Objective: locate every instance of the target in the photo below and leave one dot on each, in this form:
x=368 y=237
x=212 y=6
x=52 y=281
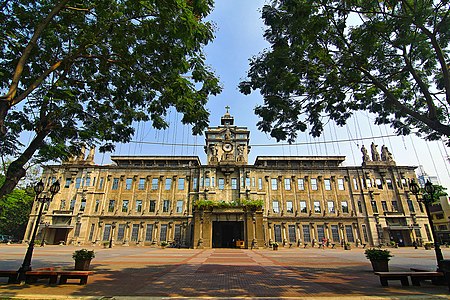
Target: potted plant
x=347 y=246
x=164 y=244
x=275 y=246
x=428 y=245
x=83 y=259
x=379 y=259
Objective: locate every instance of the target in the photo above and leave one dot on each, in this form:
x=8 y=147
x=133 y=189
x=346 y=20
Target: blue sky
x=238 y=38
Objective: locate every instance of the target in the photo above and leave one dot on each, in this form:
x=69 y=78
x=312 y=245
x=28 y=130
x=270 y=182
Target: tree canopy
x=81 y=72
x=331 y=58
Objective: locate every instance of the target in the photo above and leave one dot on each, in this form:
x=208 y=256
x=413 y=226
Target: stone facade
x=307 y=200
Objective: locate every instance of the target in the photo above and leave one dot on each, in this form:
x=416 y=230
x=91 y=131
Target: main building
x=227 y=202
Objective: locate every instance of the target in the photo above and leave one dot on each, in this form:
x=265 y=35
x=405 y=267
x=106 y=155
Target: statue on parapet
x=375 y=154
x=365 y=156
x=385 y=154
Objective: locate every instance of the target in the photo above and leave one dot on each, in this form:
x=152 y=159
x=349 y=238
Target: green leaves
x=329 y=58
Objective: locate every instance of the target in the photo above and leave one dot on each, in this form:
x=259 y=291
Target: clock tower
x=227 y=144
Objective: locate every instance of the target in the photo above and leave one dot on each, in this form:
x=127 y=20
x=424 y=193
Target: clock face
x=227 y=147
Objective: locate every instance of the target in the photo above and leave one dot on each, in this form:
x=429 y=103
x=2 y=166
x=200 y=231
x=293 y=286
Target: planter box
x=380 y=265
x=82 y=265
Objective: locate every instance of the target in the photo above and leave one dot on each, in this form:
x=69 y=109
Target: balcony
x=394 y=214
x=62 y=212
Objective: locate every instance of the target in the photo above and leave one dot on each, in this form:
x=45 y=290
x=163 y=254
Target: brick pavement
x=143 y=272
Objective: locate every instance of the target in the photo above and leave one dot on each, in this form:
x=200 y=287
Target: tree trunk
x=3 y=112
x=16 y=170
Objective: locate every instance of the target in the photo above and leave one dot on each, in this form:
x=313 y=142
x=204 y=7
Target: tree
x=15 y=211
x=81 y=72
x=330 y=58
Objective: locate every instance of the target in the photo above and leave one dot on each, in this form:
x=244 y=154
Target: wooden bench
x=82 y=275
x=416 y=277
x=33 y=276
x=12 y=275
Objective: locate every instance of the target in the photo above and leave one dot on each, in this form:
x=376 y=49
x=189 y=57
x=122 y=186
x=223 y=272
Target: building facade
x=227 y=202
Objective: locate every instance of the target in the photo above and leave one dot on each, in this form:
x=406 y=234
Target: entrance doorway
x=226 y=233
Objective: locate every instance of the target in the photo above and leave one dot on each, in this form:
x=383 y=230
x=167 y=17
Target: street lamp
x=38 y=189
x=429 y=188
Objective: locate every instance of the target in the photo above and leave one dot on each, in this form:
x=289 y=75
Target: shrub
x=83 y=254
x=377 y=254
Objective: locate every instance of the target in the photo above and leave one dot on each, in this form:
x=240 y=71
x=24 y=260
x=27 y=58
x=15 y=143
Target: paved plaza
x=145 y=272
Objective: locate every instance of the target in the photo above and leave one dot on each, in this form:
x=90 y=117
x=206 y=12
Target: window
x=207 y=182
x=292 y=235
x=141 y=185
x=378 y=183
x=97 y=205
x=106 y=232
x=360 y=209
x=349 y=233
x=274 y=184
x=253 y=181
x=394 y=205
x=68 y=182
x=88 y=181
x=344 y=207
x=77 y=229
x=152 y=207
x=335 y=234
x=306 y=234
x=242 y=181
x=374 y=206
x=301 y=184
x=320 y=232
x=138 y=205
x=234 y=183
x=166 y=205
x=149 y=233
x=331 y=209
x=100 y=184
x=327 y=184
x=91 y=232
x=389 y=184
x=442 y=227
x=260 y=185
x=168 y=184
x=355 y=183
x=221 y=183
x=195 y=183
x=289 y=207
x=368 y=183
x=341 y=186
x=212 y=181
x=277 y=233
x=365 y=235
x=317 y=207
x=384 y=206
x=428 y=232
x=62 y=206
x=411 y=206
x=303 y=208
x=177 y=233
x=276 y=208
x=83 y=205
x=111 y=205
x=163 y=233
x=287 y=184
x=181 y=184
x=115 y=184
x=72 y=204
x=134 y=232
x=125 y=205
x=314 y=184
x=155 y=182
x=247 y=182
x=121 y=232
x=179 y=206
x=201 y=181
x=77 y=182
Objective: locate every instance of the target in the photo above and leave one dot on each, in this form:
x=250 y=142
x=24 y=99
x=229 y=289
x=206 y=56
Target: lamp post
x=429 y=188
x=38 y=189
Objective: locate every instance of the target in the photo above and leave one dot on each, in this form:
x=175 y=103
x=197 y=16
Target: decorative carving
x=385 y=154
